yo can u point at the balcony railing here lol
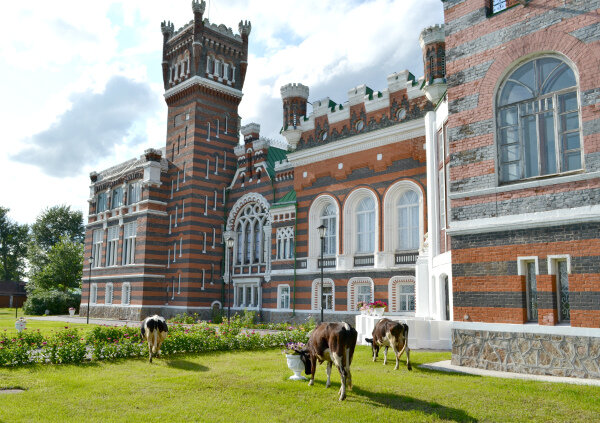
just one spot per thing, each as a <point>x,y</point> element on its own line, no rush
<point>327,262</point>
<point>406,258</point>
<point>364,261</point>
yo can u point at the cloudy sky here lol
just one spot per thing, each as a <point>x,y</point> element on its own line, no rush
<point>83,87</point>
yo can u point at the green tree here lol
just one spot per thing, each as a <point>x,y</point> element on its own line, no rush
<point>13,247</point>
<point>57,222</point>
<point>63,269</point>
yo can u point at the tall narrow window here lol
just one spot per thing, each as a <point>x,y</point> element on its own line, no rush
<point>538,121</point>
<point>365,226</point>
<point>97,247</point>
<point>327,297</point>
<point>134,193</point>
<point>215,200</point>
<point>182,209</point>
<point>406,297</point>
<point>126,293</point>
<point>108,294</point>
<point>205,205</point>
<point>408,221</point>
<point>176,214</point>
<point>112,245</point>
<point>204,242</point>
<point>117,198</point>
<point>214,237</point>
<point>129,236</point>
<point>170,223</point>
<point>239,244</point>
<point>101,202</point>
<point>184,171</point>
<point>177,180</point>
<point>285,243</point>
<point>180,246</point>
<point>94,293</point>
<point>216,164</point>
<point>562,285</point>
<point>283,296</point>
<point>172,186</point>
<point>207,167</point>
<point>532,301</point>
<point>208,131</point>
<point>179,284</point>
<point>328,219</point>
<point>363,293</point>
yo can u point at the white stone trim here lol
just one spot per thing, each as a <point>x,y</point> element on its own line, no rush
<point>315,298</point>
<point>204,82</point>
<point>126,276</point>
<point>352,284</point>
<point>279,287</point>
<point>314,221</point>
<point>522,265</point>
<point>252,197</point>
<point>553,259</point>
<point>393,294</point>
<point>349,227</point>
<point>527,328</point>
<point>543,219</point>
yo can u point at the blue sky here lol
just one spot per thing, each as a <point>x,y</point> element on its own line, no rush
<point>82,81</point>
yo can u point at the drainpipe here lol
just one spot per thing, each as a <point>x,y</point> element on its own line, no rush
<point>295,255</point>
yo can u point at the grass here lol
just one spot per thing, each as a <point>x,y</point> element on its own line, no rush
<point>7,322</point>
<point>253,386</point>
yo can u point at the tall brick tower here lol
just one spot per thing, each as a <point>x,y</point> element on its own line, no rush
<point>204,67</point>
<point>433,44</point>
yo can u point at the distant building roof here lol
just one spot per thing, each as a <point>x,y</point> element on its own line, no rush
<point>12,288</point>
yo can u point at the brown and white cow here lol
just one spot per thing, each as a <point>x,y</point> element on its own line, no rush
<point>334,343</point>
<point>154,331</point>
<point>388,333</point>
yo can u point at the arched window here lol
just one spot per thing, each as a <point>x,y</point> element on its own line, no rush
<point>249,224</point>
<point>402,294</point>
<point>365,226</point>
<point>327,294</point>
<point>408,221</point>
<point>328,219</point>
<point>538,121</point>
<point>359,290</point>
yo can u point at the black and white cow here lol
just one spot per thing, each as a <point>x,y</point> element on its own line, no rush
<point>154,331</point>
<point>388,333</point>
<point>334,343</point>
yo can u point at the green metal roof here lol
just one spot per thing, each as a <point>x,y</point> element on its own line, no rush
<point>287,200</point>
<point>274,155</point>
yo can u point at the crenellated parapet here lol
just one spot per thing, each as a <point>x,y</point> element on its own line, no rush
<point>365,110</point>
<point>433,44</point>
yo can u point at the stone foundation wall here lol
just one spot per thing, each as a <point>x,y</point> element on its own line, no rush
<point>539,354</point>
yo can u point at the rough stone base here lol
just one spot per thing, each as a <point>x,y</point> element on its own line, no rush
<point>538,354</point>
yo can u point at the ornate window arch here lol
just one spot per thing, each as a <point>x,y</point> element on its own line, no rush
<point>537,120</point>
<point>360,289</point>
<point>328,293</point>
<point>403,217</point>
<point>361,218</point>
<point>401,291</point>
<point>324,210</point>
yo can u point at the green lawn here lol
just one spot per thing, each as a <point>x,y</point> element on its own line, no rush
<point>253,386</point>
<point>7,322</point>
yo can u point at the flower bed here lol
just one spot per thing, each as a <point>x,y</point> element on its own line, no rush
<point>109,343</point>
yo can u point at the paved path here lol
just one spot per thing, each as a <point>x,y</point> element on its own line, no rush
<point>77,319</point>
<point>446,366</point>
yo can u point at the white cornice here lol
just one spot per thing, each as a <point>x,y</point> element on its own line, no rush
<point>204,82</point>
<point>396,133</point>
<point>543,219</point>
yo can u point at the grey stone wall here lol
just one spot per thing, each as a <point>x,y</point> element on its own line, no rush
<point>539,354</point>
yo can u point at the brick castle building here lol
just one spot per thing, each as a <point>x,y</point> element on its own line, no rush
<point>466,199</point>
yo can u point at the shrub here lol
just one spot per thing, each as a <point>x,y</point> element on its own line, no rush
<point>58,302</point>
<point>217,315</point>
<point>188,319</point>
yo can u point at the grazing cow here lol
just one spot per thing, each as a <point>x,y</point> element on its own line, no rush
<point>389,333</point>
<point>154,330</point>
<point>334,343</point>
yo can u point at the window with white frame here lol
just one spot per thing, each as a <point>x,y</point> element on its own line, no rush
<point>94,293</point>
<point>285,243</point>
<point>246,294</point>
<point>249,246</point>
<point>283,296</point>
<point>325,296</point>
<point>408,221</point>
<point>129,235</point>
<point>101,202</point>
<point>134,193</point>
<point>126,293</point>
<point>112,244</point>
<point>538,121</point>
<point>359,290</point>
<point>97,236</point>
<point>402,294</point>
<point>329,220</point>
<point>528,268</point>
<point>560,266</point>
<point>365,226</point>
<point>117,198</point>
<point>108,294</point>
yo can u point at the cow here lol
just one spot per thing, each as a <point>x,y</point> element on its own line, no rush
<point>389,333</point>
<point>334,343</point>
<point>154,331</point>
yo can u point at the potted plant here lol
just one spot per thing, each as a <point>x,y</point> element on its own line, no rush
<point>363,307</point>
<point>71,311</point>
<point>295,364</point>
<point>378,307</point>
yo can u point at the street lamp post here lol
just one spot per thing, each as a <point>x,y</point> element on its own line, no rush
<point>89,289</point>
<point>322,231</point>
<point>229,247</point>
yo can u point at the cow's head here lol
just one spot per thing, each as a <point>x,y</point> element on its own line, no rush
<point>305,357</point>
